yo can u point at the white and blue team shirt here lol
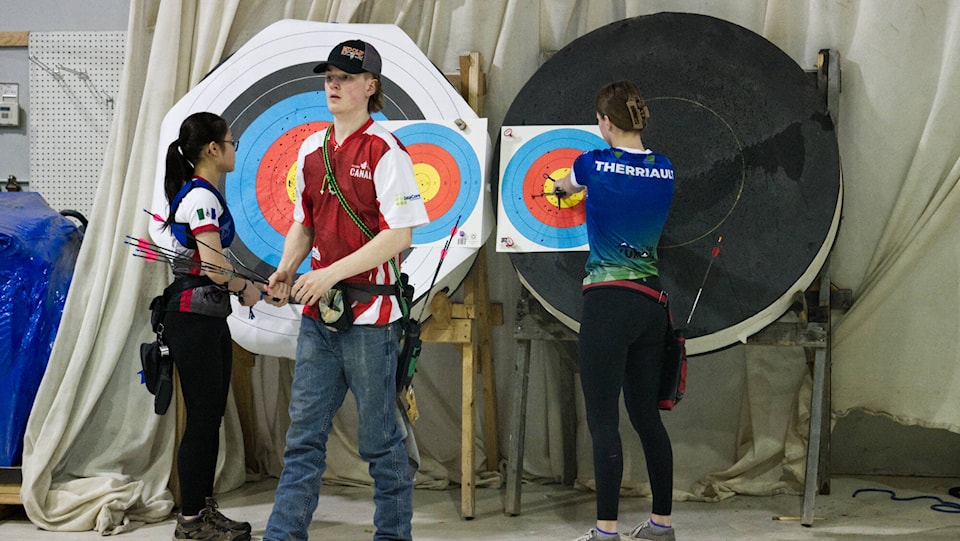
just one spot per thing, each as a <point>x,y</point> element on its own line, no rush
<point>629,192</point>
<point>200,210</point>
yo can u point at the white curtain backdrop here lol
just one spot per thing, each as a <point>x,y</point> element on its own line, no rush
<point>97,458</point>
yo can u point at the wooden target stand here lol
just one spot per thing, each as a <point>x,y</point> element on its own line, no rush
<point>812,332</point>
<point>466,325</point>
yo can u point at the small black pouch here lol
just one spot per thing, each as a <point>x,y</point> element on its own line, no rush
<point>156,361</point>
<point>336,310</point>
<point>158,373</point>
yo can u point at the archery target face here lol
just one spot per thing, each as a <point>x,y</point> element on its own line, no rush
<point>272,100</point>
<point>530,218</point>
<point>450,174</point>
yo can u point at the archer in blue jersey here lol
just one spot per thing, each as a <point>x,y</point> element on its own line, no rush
<point>622,329</point>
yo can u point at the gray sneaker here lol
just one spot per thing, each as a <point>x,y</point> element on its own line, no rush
<point>211,511</point>
<point>202,528</point>
<point>645,530</point>
<point>593,535</point>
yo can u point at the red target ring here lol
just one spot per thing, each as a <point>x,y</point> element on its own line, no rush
<point>276,176</point>
<point>438,177</point>
<point>538,186</point>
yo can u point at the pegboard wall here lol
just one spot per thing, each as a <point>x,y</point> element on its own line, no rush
<point>74,82</point>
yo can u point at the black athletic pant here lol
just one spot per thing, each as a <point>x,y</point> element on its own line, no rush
<point>620,347</point>
<point>203,354</point>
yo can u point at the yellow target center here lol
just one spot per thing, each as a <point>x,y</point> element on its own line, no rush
<point>549,186</point>
<point>428,180</point>
<point>292,182</point>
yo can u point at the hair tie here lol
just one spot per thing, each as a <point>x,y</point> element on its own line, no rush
<point>639,114</point>
<point>179,148</point>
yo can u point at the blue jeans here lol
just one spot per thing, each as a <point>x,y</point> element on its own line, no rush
<point>363,360</point>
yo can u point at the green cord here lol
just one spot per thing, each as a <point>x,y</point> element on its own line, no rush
<point>335,188</point>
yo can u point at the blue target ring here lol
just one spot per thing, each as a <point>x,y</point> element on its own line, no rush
<point>514,181</point>
<point>448,141</point>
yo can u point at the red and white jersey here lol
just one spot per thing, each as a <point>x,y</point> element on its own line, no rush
<point>375,174</point>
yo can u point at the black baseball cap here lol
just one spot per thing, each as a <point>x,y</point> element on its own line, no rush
<point>352,56</point>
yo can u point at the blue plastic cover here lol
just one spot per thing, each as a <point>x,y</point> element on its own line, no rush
<point>38,250</point>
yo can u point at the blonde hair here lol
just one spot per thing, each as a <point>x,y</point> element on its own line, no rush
<point>375,103</point>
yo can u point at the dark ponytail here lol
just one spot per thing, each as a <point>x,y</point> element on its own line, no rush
<point>196,132</point>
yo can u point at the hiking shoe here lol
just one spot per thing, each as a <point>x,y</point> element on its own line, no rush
<point>645,530</point>
<point>201,528</point>
<point>593,535</point>
<point>211,511</point>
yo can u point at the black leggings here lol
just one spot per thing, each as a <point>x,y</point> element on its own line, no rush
<point>203,354</point>
<point>620,347</point>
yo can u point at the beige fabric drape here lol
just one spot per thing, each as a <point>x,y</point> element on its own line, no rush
<point>96,457</point>
<point>897,350</point>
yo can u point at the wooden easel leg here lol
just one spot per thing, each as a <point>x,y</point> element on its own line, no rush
<point>518,425</point>
<point>491,439</point>
<point>469,328</point>
<point>467,433</point>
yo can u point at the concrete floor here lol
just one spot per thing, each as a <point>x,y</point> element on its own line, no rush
<point>561,513</point>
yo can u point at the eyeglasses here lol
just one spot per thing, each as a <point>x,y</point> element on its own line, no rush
<point>235,143</point>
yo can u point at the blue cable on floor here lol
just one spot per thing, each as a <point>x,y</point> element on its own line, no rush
<point>941,506</point>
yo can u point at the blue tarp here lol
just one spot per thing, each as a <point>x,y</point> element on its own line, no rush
<point>38,250</point>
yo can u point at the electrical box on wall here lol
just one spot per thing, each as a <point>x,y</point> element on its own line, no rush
<point>9,104</point>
